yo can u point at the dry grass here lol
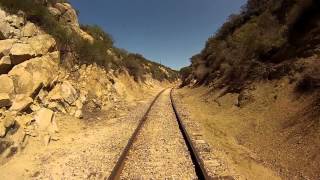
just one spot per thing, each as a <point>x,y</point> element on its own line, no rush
<point>279,130</point>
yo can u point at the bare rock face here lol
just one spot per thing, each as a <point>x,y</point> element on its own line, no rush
<point>21,103</point>
<point>5,64</point>
<point>21,52</point>
<point>42,44</point>
<point>6,84</point>
<point>67,15</point>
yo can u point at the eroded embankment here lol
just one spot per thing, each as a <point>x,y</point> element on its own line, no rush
<point>273,133</point>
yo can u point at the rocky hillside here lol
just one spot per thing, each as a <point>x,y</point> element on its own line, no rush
<point>258,82</point>
<point>267,40</point>
<point>50,64</point>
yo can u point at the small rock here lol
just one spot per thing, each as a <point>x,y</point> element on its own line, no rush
<point>5,46</point>
<point>55,137</point>
<point>44,118</point>
<point>25,120</point>
<point>6,123</point>
<point>21,103</point>
<point>2,131</point>
<point>56,106</point>
<point>46,140</point>
<point>78,114</point>
<point>34,107</point>
<point>244,98</point>
<point>29,30</point>
<point>5,64</point>
<point>79,104</point>
<point>4,100</point>
<point>7,85</point>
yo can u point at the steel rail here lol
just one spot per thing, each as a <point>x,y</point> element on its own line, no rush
<point>195,156</point>
<point>116,171</point>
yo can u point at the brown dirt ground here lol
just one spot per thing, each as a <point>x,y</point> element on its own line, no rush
<point>276,136</point>
<point>87,148</point>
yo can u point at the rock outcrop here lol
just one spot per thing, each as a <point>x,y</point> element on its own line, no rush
<point>32,85</point>
<point>67,15</point>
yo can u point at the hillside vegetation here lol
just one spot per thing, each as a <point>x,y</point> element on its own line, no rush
<point>263,41</point>
<point>256,84</point>
<point>100,51</point>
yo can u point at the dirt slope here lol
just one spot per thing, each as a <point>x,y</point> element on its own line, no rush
<point>277,130</point>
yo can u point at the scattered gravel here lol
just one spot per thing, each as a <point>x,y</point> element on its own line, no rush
<point>82,152</point>
<point>216,167</point>
<point>159,151</point>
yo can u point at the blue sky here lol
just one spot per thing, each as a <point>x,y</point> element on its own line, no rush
<point>166,31</point>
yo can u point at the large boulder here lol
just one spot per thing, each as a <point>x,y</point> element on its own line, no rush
<point>68,14</point>
<point>42,44</point>
<point>54,11</point>
<point>29,30</point>
<point>4,100</point>
<point>21,52</point>
<point>64,92</point>
<point>5,46</point>
<point>44,118</point>
<point>5,64</point>
<point>7,85</point>
<point>22,79</point>
<point>21,103</point>
<point>31,75</point>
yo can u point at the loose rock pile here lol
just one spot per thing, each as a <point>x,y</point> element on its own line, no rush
<point>31,87</point>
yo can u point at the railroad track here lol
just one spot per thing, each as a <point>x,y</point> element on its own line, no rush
<point>198,165</point>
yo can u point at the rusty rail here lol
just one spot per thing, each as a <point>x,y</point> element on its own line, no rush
<point>116,171</point>
<point>195,156</point>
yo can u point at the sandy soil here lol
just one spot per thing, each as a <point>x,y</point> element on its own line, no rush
<point>159,151</point>
<point>273,137</point>
<point>87,148</point>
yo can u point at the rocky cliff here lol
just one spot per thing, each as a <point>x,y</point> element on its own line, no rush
<point>41,74</point>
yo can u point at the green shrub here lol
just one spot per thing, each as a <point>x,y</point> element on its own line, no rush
<point>99,34</point>
<point>86,52</point>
